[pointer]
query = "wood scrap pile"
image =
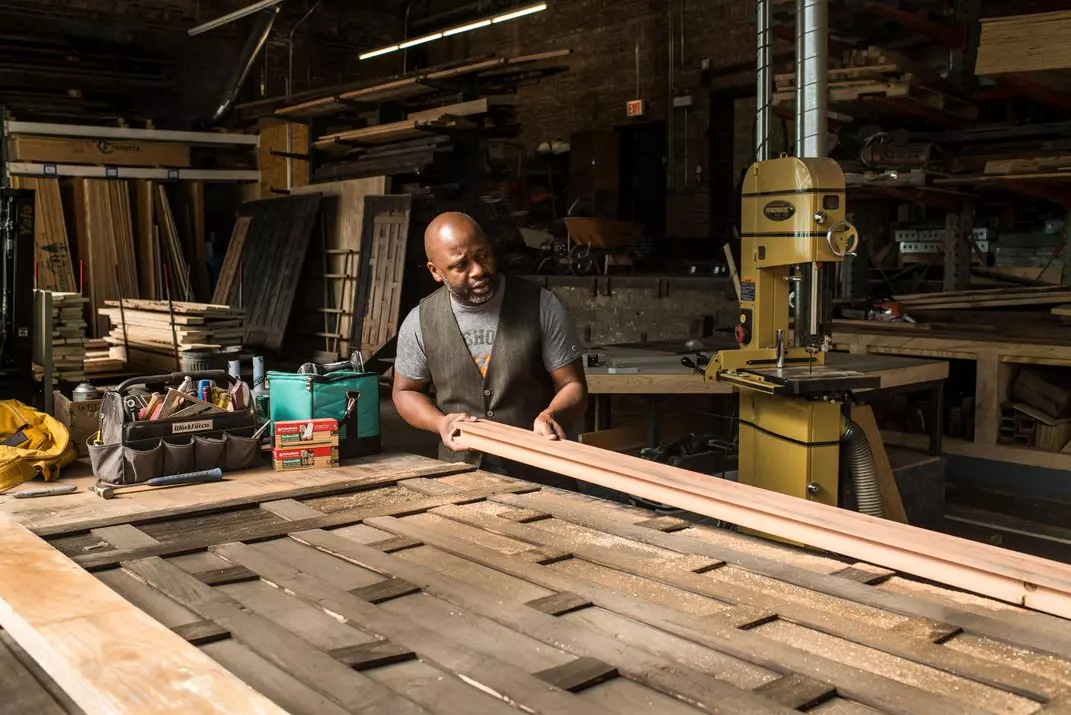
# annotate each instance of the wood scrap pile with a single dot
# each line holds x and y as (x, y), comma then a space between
(1024, 43)
(68, 338)
(875, 82)
(100, 361)
(155, 333)
(1040, 416)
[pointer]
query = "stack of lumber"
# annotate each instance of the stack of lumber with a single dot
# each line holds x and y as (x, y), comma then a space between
(99, 360)
(1024, 43)
(875, 82)
(155, 328)
(104, 225)
(986, 298)
(68, 338)
(52, 254)
(264, 262)
(1040, 415)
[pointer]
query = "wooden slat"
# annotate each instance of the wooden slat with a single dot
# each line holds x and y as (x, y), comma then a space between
(581, 673)
(148, 259)
(1017, 578)
(84, 629)
(1053, 636)
(330, 678)
(476, 668)
(229, 271)
(701, 691)
(346, 517)
(868, 688)
(171, 242)
(840, 625)
(372, 655)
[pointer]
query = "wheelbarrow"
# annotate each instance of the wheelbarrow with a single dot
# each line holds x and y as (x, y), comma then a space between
(592, 241)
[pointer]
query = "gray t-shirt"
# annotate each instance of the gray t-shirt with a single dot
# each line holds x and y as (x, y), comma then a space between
(479, 325)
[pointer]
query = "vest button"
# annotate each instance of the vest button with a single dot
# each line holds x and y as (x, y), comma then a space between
(490, 413)
(487, 392)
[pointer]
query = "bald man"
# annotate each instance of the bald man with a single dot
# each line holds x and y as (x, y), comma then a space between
(492, 348)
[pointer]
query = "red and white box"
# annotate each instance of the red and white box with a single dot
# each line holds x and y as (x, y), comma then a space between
(291, 459)
(319, 432)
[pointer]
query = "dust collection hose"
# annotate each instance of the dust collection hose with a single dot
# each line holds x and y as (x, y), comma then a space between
(864, 471)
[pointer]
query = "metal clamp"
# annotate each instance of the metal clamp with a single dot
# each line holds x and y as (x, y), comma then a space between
(853, 235)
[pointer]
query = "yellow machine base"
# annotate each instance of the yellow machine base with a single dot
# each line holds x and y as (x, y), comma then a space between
(788, 443)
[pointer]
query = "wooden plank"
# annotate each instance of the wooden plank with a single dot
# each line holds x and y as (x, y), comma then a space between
(84, 629)
(698, 689)
(127, 133)
(229, 271)
(148, 259)
(838, 624)
(1045, 638)
(20, 692)
(56, 150)
(85, 511)
(579, 674)
(330, 678)
(196, 249)
(558, 604)
(892, 504)
(477, 669)
(201, 632)
(52, 255)
(797, 692)
(982, 568)
(345, 517)
(177, 275)
(223, 576)
(372, 655)
(868, 688)
(385, 590)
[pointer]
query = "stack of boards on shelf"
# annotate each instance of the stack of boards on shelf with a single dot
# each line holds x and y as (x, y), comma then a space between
(99, 361)
(154, 334)
(68, 338)
(1024, 43)
(876, 82)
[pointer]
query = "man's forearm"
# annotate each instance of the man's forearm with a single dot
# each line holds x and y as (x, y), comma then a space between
(569, 402)
(418, 410)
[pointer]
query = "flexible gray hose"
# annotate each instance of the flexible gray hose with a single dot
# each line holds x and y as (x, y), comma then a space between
(864, 471)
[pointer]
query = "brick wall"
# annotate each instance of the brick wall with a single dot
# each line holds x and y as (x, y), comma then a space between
(606, 37)
(325, 46)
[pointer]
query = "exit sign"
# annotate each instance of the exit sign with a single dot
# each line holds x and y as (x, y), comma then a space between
(635, 108)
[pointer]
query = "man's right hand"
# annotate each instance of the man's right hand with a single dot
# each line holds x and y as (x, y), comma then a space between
(447, 426)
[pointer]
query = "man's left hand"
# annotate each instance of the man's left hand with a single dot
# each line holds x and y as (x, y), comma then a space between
(546, 426)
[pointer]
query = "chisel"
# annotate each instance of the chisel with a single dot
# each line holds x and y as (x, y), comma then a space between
(44, 492)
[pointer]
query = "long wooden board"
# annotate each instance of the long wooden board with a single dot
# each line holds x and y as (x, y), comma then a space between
(52, 253)
(93, 642)
(540, 600)
(1040, 584)
(56, 150)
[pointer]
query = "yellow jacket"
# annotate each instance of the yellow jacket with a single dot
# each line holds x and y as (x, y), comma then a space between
(45, 447)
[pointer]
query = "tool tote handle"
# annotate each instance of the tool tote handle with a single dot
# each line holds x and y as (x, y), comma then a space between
(217, 376)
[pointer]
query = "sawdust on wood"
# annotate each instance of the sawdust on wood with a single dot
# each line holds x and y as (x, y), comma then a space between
(943, 595)
(470, 534)
(641, 588)
(875, 661)
(621, 546)
(756, 546)
(1041, 664)
(782, 592)
(394, 494)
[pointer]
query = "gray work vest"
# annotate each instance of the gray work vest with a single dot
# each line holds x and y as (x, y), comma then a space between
(517, 386)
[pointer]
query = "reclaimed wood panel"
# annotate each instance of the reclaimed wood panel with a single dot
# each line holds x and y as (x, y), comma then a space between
(384, 237)
(476, 593)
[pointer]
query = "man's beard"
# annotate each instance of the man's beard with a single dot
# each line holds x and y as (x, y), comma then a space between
(467, 293)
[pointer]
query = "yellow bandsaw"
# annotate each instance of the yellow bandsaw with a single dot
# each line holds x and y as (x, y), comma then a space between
(794, 232)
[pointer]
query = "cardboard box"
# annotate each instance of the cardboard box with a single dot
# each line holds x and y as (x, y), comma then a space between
(82, 419)
(320, 432)
(295, 458)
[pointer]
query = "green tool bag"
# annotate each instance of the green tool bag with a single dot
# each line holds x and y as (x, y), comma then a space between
(351, 398)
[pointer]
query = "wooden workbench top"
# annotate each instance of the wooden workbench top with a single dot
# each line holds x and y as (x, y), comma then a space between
(474, 593)
(660, 372)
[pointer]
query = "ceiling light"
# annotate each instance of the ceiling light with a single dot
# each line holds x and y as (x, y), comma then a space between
(455, 30)
(466, 28)
(420, 40)
(380, 51)
(231, 17)
(520, 13)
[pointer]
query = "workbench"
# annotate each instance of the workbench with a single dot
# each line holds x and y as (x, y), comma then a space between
(399, 584)
(657, 371)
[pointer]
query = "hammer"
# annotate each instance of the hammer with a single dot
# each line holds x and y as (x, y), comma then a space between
(355, 363)
(107, 491)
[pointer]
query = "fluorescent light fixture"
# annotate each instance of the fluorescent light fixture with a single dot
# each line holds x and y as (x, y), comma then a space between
(466, 28)
(520, 13)
(380, 51)
(420, 40)
(454, 30)
(231, 17)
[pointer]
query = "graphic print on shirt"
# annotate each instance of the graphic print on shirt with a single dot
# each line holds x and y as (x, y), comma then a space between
(480, 341)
